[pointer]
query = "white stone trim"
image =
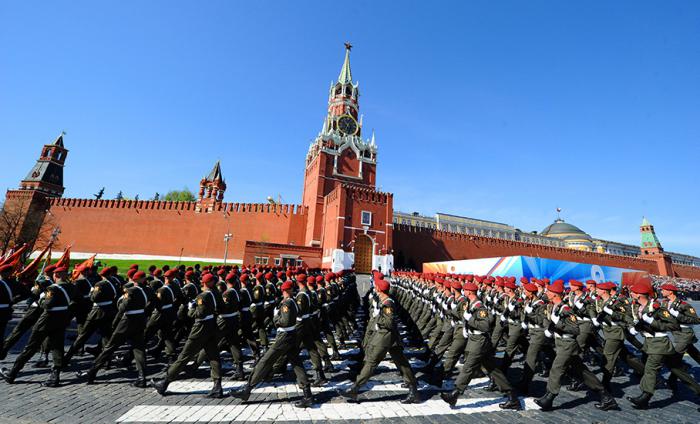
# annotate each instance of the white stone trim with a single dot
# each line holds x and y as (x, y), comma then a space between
(139, 257)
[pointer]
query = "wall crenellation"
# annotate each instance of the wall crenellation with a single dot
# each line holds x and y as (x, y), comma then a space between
(173, 205)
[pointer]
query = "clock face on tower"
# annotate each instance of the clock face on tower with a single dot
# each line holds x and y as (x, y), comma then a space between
(347, 125)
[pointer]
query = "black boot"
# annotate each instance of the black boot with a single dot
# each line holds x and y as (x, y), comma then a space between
(216, 392)
(43, 362)
(88, 375)
(161, 386)
(575, 386)
(8, 375)
(54, 379)
(238, 374)
(492, 385)
(451, 398)
(244, 393)
(351, 394)
(335, 357)
(436, 377)
(641, 401)
(412, 395)
(545, 402)
(512, 403)
(94, 351)
(308, 399)
(320, 379)
(140, 382)
(607, 402)
(3, 354)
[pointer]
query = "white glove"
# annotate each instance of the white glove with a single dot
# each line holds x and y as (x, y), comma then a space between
(523, 325)
(607, 310)
(503, 318)
(555, 319)
(579, 304)
(276, 312)
(511, 306)
(467, 316)
(674, 312)
(595, 322)
(647, 318)
(528, 309)
(547, 333)
(464, 332)
(633, 331)
(190, 306)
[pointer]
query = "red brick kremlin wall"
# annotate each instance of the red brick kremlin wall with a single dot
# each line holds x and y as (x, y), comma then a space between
(164, 228)
(413, 246)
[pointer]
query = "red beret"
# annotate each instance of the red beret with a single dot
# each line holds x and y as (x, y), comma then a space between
(530, 287)
(134, 266)
(221, 272)
(640, 288)
(591, 282)
(556, 287)
(189, 273)
(280, 274)
(208, 278)
(542, 283)
(669, 286)
(319, 278)
(510, 285)
(545, 280)
(138, 275)
(244, 278)
(301, 278)
(470, 286)
(171, 273)
(575, 283)
(329, 276)
(158, 272)
(268, 276)
(259, 276)
(231, 276)
(382, 285)
(49, 269)
(606, 286)
(456, 285)
(524, 280)
(130, 273)
(105, 271)
(55, 271)
(287, 285)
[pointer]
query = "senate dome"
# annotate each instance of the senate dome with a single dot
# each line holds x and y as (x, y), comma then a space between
(574, 237)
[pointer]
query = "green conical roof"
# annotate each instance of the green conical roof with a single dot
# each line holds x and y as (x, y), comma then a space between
(345, 76)
(649, 238)
(645, 222)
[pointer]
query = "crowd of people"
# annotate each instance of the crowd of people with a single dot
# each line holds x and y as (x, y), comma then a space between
(189, 316)
(689, 287)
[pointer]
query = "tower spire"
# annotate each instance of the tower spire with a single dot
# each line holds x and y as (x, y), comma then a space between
(345, 76)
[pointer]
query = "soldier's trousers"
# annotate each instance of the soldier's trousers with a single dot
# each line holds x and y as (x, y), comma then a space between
(614, 349)
(203, 336)
(476, 360)
(375, 354)
(535, 346)
(55, 337)
(101, 325)
(247, 330)
(286, 349)
(25, 324)
(674, 363)
(456, 349)
(445, 340)
(162, 322)
(130, 328)
(515, 340)
(316, 332)
(568, 358)
(230, 339)
(261, 330)
(307, 341)
(498, 331)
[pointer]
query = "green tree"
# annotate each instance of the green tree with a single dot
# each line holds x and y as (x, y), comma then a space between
(184, 195)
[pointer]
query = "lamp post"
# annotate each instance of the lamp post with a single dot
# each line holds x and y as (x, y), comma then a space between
(227, 237)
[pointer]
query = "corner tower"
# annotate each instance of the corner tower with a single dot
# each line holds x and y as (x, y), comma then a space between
(338, 154)
(650, 248)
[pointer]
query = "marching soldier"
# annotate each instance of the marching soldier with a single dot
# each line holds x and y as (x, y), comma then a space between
(479, 351)
(51, 325)
(563, 326)
(203, 335)
(386, 339)
(286, 346)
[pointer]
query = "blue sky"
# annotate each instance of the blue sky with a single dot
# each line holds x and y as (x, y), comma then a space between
(494, 110)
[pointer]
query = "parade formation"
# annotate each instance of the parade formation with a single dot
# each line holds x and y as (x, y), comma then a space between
(191, 316)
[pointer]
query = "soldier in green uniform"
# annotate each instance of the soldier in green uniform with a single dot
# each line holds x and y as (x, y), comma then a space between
(306, 330)
(385, 340)
(103, 295)
(512, 314)
(563, 326)
(131, 321)
(654, 322)
(685, 314)
(286, 346)
(613, 315)
(534, 316)
(479, 351)
(203, 335)
(51, 325)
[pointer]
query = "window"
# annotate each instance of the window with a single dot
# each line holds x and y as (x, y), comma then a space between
(261, 260)
(278, 261)
(366, 218)
(299, 262)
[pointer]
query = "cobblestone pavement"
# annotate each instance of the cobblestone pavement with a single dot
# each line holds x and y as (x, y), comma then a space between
(113, 400)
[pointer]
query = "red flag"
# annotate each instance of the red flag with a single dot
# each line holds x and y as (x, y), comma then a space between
(15, 257)
(29, 273)
(64, 261)
(87, 263)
